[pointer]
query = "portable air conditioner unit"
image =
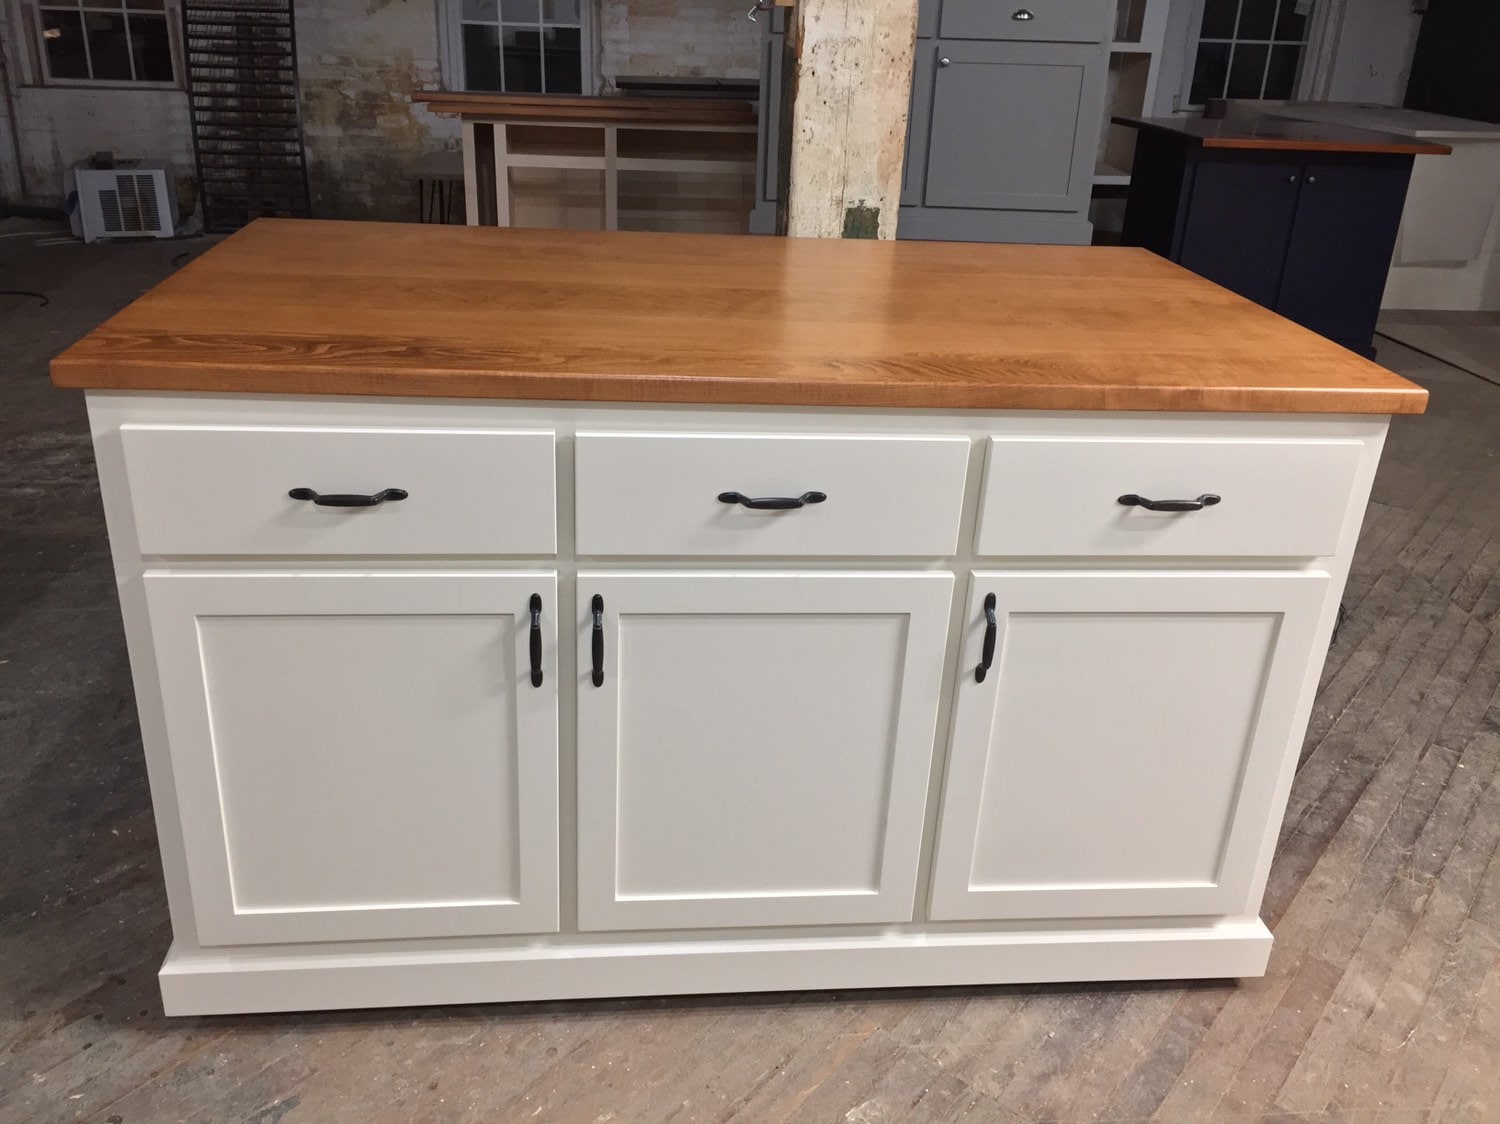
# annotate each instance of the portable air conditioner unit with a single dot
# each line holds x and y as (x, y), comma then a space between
(133, 199)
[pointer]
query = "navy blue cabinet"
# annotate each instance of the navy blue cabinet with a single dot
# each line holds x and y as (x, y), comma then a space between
(1307, 232)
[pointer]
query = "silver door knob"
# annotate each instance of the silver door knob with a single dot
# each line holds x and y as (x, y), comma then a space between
(945, 62)
(1291, 179)
(1312, 179)
(1022, 14)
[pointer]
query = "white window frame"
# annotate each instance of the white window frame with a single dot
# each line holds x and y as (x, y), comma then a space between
(41, 67)
(451, 47)
(1317, 61)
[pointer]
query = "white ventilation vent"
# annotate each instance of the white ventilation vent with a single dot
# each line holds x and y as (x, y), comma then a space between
(130, 201)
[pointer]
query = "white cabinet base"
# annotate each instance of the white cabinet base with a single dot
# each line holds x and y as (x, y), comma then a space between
(776, 781)
(246, 982)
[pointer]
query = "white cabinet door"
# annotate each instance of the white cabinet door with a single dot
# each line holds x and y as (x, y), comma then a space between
(1120, 756)
(362, 756)
(756, 747)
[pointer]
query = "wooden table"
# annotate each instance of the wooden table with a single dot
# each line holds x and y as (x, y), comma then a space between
(607, 134)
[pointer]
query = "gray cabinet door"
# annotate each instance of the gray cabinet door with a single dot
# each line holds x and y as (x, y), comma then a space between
(1012, 126)
(918, 123)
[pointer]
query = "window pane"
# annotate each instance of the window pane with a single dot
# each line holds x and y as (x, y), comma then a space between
(106, 3)
(1257, 18)
(62, 33)
(147, 6)
(1218, 19)
(520, 11)
(1248, 70)
(152, 48)
(481, 57)
(1209, 72)
(1291, 22)
(564, 61)
(560, 11)
(107, 49)
(1281, 79)
(523, 60)
(485, 11)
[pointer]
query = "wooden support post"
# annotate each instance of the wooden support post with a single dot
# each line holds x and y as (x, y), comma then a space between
(850, 65)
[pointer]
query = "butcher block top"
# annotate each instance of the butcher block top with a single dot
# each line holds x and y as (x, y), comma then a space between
(295, 307)
(1276, 134)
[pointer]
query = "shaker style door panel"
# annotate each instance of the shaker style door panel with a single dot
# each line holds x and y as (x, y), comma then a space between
(1340, 248)
(1013, 125)
(362, 756)
(755, 747)
(1121, 754)
(1238, 223)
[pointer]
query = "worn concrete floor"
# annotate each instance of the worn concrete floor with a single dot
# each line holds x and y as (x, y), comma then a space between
(1382, 1002)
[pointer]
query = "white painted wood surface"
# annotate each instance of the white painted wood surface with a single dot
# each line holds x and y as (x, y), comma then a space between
(1120, 756)
(223, 490)
(758, 751)
(657, 493)
(1059, 497)
(359, 755)
(457, 933)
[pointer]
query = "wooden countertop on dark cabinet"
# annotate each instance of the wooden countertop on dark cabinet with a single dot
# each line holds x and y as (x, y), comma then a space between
(1299, 218)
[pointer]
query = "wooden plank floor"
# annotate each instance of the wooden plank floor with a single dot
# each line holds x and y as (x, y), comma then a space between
(1382, 1001)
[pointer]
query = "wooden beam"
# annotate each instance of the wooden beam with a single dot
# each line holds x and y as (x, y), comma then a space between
(849, 65)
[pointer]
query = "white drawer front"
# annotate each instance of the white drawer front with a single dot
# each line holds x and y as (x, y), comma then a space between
(224, 490)
(1061, 497)
(659, 493)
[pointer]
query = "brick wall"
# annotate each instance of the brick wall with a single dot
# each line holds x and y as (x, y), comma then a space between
(681, 38)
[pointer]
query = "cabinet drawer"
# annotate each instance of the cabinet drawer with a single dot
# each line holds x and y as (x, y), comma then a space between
(224, 490)
(659, 493)
(1061, 497)
(1057, 21)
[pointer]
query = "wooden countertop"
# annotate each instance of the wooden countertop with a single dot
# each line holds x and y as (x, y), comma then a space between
(310, 307)
(614, 109)
(1282, 134)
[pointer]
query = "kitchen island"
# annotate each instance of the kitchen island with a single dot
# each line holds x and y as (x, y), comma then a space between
(1298, 216)
(522, 615)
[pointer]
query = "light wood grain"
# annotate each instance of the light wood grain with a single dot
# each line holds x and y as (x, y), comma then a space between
(1279, 134)
(614, 108)
(305, 307)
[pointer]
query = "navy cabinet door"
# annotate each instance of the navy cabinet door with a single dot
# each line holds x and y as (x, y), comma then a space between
(1239, 222)
(1341, 244)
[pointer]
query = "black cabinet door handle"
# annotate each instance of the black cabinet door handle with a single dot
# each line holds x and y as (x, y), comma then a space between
(1198, 504)
(772, 503)
(346, 500)
(598, 607)
(987, 657)
(536, 639)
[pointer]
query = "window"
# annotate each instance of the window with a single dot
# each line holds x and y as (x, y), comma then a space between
(524, 46)
(104, 41)
(1249, 49)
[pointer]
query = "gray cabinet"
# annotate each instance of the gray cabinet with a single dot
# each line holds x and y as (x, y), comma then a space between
(768, 154)
(1006, 103)
(1005, 111)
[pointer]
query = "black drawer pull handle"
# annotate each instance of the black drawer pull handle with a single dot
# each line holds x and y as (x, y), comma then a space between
(772, 503)
(348, 501)
(987, 659)
(536, 639)
(1198, 504)
(1022, 14)
(598, 607)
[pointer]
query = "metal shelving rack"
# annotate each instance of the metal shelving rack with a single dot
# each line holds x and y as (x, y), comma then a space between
(246, 114)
